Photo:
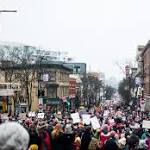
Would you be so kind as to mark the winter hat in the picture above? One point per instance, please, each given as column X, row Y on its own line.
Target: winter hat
column 13, row 136
column 68, row 129
column 33, row 147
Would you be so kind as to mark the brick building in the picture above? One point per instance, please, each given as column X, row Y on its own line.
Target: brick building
column 146, row 73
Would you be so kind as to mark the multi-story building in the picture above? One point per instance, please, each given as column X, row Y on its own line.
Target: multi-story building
column 146, row 74
column 77, row 68
column 44, row 84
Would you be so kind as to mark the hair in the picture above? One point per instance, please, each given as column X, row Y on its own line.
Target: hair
column 13, row 136
column 133, row 141
column 57, row 130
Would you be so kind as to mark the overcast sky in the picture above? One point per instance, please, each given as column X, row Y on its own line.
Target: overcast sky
column 98, row 32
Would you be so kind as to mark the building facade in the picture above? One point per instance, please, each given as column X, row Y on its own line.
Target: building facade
column 45, row 84
column 146, row 74
column 77, row 68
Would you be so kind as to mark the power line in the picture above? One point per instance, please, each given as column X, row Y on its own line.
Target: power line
column 7, row 11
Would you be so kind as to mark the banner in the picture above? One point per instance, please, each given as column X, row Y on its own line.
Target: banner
column 86, row 119
column 146, row 124
column 95, row 123
column 41, row 115
column 75, row 117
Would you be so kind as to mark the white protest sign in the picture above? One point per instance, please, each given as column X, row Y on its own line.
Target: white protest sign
column 106, row 113
column 31, row 114
column 142, row 107
column 41, row 115
column 146, row 124
column 75, row 117
column 95, row 123
column 86, row 119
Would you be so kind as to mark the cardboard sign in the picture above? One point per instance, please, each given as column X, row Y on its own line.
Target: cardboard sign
column 41, row 115
column 86, row 119
column 75, row 117
column 95, row 123
column 146, row 124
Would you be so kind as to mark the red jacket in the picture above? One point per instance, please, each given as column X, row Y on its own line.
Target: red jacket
column 46, row 142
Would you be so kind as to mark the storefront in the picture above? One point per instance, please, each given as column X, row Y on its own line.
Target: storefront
column 52, row 104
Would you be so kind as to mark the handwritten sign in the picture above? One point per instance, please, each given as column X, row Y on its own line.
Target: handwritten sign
column 86, row 119
column 41, row 115
column 146, row 124
column 75, row 117
column 95, row 123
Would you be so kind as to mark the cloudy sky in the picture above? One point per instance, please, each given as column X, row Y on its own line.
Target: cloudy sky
column 98, row 32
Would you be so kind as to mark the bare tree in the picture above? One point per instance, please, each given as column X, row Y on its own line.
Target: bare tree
column 17, row 66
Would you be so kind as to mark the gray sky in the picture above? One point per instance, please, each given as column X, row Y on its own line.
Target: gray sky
column 98, row 32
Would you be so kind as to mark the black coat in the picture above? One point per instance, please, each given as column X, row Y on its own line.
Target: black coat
column 34, row 138
column 68, row 140
column 58, row 142
column 85, row 140
column 111, row 145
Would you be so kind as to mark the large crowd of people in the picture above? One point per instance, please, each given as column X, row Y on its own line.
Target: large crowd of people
column 121, row 128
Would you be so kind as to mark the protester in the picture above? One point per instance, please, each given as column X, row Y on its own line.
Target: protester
column 77, row 141
column 45, row 141
column 68, row 138
column 86, row 139
column 57, row 137
column 113, row 128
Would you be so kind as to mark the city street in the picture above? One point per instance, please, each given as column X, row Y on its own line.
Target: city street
column 74, row 75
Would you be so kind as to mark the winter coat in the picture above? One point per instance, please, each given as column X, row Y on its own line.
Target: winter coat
column 45, row 141
column 148, row 143
column 77, row 143
column 85, row 140
column 68, row 140
column 111, row 144
column 94, row 144
column 58, row 142
column 34, row 138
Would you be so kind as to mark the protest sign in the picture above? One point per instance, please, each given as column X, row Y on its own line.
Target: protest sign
column 95, row 123
column 41, row 115
column 86, row 119
column 146, row 124
column 75, row 117
column 106, row 113
column 143, row 107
